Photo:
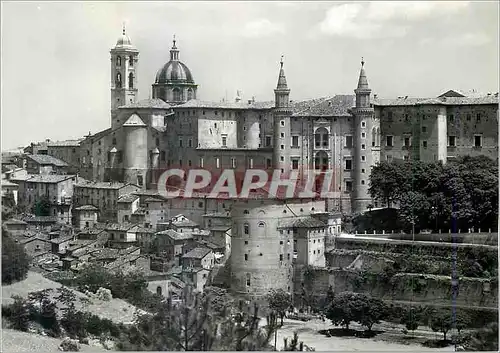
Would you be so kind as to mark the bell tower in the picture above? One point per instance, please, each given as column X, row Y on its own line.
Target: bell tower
column 124, row 62
column 282, row 112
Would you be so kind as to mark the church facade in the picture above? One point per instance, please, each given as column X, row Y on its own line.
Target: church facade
column 347, row 134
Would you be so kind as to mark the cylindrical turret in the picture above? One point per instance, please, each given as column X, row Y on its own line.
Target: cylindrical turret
column 135, row 163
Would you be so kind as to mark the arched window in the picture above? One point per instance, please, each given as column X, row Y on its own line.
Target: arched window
column 190, row 94
column 118, row 80
column 321, row 161
column 246, row 212
column 177, row 94
column 130, row 80
column 158, row 290
column 246, row 228
column 374, row 137
column 162, row 94
column 262, row 225
column 119, row 61
column 114, row 141
column 378, row 137
column 131, row 60
column 157, row 142
column 321, row 138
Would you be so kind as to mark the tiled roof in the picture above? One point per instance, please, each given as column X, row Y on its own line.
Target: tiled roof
column 61, row 239
column 487, row 99
column 29, row 240
column 210, row 245
column 154, row 199
column 185, row 223
column 145, row 230
column 194, row 103
column 106, row 253
column 303, row 222
column 176, row 235
column 220, row 228
column 8, row 183
column 338, row 105
column 82, row 183
column 66, row 143
column 128, row 198
column 41, row 219
column 147, row 103
column 197, row 253
column 193, row 269
column 45, row 159
column 44, row 178
column 217, row 214
column 87, row 208
column 119, row 226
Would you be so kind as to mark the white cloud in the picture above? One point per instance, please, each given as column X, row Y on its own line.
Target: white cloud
column 262, row 28
column 382, row 19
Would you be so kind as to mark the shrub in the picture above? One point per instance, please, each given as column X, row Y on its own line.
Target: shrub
column 18, row 313
column 15, row 261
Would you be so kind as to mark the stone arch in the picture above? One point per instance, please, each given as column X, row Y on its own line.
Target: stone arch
column 261, row 224
column 321, row 160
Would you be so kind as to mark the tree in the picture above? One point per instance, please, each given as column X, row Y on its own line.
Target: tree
column 342, row 310
column 42, row 207
column 411, row 319
column 441, row 321
column 387, row 181
column 279, row 301
column 484, row 339
column 191, row 324
column 18, row 313
column 462, row 321
column 369, row 310
column 295, row 345
column 15, row 261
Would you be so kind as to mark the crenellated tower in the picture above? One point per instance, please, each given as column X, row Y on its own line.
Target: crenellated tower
column 365, row 153
column 281, row 120
column 124, row 61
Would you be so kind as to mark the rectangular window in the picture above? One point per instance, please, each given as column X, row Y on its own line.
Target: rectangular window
column 348, row 185
column 363, row 146
column 389, row 141
column 407, row 142
column 424, row 129
column 282, row 147
column 478, row 117
column 348, row 141
column 268, row 163
column 363, row 124
column 478, row 141
column 180, row 142
column 317, row 140
column 452, row 141
column 451, row 118
column 424, row 144
column 139, row 180
column 246, row 257
column 248, row 279
column 281, row 257
column 224, row 141
column 295, row 164
column 201, row 162
column 348, row 164
column 282, row 135
column 190, row 143
column 268, row 141
column 389, row 116
column 250, row 163
column 363, row 135
column 233, row 163
column 282, row 122
column 389, row 158
column 295, row 141
column 406, row 158
column 217, row 162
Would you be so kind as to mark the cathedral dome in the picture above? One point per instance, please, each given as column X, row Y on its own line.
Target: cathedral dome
column 174, row 70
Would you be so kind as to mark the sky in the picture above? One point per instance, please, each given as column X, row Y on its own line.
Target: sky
column 55, row 60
